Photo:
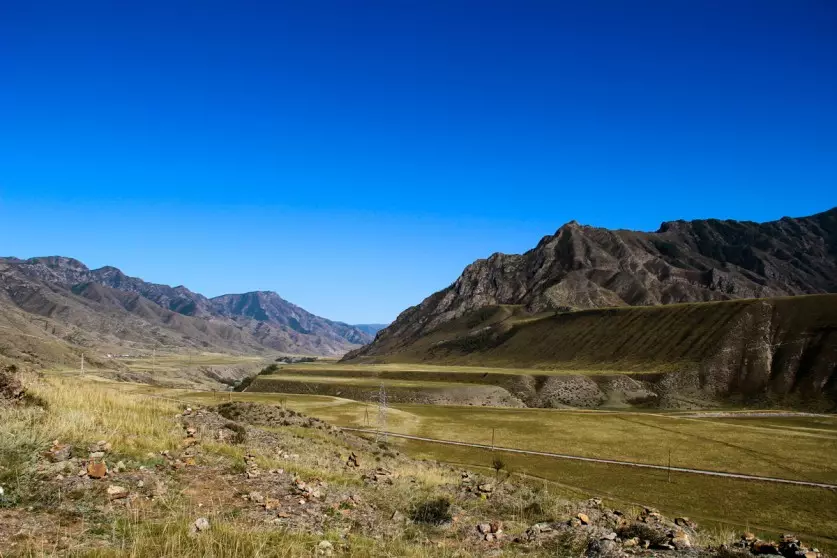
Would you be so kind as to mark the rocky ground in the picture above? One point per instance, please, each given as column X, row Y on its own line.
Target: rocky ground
column 275, row 470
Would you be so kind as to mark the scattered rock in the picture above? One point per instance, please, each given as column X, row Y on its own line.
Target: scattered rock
column 256, row 497
column 352, row 461
column 97, row 469
column 685, row 522
column 59, row 452
column 486, row 488
column 609, row 536
column 681, row 541
column 325, row 548
column 484, row 528
column 201, row 524
column 584, row 518
column 117, row 492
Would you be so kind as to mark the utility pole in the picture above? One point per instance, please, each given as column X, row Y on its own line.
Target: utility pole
column 82, row 365
column 669, row 464
column 382, row 414
column 492, row 439
column 153, row 358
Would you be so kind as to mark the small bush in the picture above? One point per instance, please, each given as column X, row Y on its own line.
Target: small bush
column 432, row 512
column 240, row 433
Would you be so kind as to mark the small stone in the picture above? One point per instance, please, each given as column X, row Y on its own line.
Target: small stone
column 489, row 537
column 486, row 488
column 117, row 492
column 325, row 548
column 140, row 483
column 496, row 527
column 191, row 431
column 609, row 536
column 585, row 520
column 749, row 537
column 120, row 467
column 684, row 522
column 97, row 454
column 484, row 528
column 256, row 497
column 630, row 543
column 59, row 452
column 681, row 541
column 97, row 469
column 200, row 524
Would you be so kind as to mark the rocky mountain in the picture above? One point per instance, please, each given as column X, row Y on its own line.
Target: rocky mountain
column 104, row 307
column 370, row 329
column 269, row 307
column 582, row 267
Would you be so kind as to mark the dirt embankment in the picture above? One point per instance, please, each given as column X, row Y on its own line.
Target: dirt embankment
column 775, row 352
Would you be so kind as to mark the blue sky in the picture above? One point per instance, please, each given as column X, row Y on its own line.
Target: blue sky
column 354, row 156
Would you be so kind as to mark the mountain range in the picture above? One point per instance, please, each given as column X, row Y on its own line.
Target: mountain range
column 61, row 299
column 583, row 267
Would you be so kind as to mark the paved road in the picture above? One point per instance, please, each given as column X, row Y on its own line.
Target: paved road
column 607, row 461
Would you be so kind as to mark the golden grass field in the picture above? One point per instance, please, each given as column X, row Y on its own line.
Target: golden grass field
column 793, row 447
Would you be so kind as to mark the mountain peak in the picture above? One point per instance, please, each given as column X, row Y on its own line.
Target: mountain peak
column 58, row 262
column 583, row 267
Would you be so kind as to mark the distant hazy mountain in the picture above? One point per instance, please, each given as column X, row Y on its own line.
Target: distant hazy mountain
column 371, row 329
column 105, row 307
column 581, row 267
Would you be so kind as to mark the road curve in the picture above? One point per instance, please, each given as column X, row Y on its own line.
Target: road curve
column 606, row 461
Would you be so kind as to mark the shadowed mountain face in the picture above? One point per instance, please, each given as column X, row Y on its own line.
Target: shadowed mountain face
column 581, row 267
column 106, row 307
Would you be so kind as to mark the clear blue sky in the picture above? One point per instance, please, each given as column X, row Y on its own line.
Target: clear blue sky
column 354, row 156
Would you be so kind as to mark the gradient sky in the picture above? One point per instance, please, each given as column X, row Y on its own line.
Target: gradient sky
column 354, row 156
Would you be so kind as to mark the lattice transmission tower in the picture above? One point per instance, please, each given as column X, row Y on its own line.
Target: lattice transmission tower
column 381, row 435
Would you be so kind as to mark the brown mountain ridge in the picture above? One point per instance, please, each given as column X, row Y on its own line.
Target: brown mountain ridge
column 106, row 308
column 582, row 267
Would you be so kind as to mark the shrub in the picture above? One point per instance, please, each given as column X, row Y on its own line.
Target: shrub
column 432, row 512
column 240, row 433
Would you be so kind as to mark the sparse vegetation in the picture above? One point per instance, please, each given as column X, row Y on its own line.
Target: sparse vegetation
column 433, row 512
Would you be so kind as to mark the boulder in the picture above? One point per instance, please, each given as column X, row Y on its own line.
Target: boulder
column 681, row 541
column 59, row 452
column 201, row 524
column 97, row 469
column 117, row 492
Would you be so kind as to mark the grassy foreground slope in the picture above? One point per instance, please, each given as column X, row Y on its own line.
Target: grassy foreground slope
column 781, row 350
column 797, row 447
